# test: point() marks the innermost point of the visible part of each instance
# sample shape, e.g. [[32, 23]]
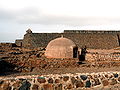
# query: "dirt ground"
[[18, 61]]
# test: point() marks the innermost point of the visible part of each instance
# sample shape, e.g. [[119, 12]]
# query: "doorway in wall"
[[75, 52]]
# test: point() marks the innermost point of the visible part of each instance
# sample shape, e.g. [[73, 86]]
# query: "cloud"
[[33, 15], [6, 15]]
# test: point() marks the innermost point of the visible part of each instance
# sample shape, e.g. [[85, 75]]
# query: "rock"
[[119, 79], [73, 80], [79, 84], [95, 76], [5, 86], [88, 84], [57, 81], [115, 75], [41, 79], [35, 87], [97, 82], [17, 84], [59, 87], [50, 80], [105, 82], [90, 76], [44, 65], [25, 85], [113, 82], [65, 78], [69, 86], [83, 77], [106, 75], [48, 87]]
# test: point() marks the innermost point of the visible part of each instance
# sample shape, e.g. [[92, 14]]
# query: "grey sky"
[[16, 16]]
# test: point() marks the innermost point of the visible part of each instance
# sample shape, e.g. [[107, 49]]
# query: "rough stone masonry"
[[90, 39], [78, 81]]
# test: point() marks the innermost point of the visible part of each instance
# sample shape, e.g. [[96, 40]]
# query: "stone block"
[[97, 82], [88, 84], [73, 80], [57, 80], [25, 85], [5, 86], [119, 79], [113, 82], [50, 80], [59, 87], [17, 84], [115, 75], [65, 78], [69, 86], [83, 77], [105, 82], [79, 84], [48, 87], [41, 79], [35, 87]]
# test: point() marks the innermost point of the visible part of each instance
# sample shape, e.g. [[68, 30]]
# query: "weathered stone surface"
[[119, 79], [41, 39], [106, 75], [105, 82], [25, 86], [79, 84], [115, 75], [50, 80], [65, 78], [113, 82], [83, 77], [88, 84], [35, 87], [97, 82], [59, 87], [17, 84], [5, 86], [41, 79], [73, 80], [95, 76], [69, 86], [57, 80], [90, 77], [48, 87]]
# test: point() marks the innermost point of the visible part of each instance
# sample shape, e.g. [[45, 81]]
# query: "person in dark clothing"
[[83, 53]]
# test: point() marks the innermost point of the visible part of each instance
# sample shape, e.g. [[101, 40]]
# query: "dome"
[[60, 48]]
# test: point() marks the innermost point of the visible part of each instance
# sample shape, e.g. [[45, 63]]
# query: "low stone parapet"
[[68, 81]]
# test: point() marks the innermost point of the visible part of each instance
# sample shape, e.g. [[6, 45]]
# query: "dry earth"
[[20, 61]]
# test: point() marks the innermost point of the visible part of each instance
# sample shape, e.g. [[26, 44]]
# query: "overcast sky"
[[16, 16]]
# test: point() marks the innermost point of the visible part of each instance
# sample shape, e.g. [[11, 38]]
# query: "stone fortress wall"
[[78, 81], [91, 39]]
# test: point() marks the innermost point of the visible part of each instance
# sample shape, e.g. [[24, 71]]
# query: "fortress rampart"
[[91, 39]]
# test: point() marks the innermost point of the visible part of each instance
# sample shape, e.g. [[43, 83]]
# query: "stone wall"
[[92, 31], [112, 59], [91, 40], [78, 81], [18, 42]]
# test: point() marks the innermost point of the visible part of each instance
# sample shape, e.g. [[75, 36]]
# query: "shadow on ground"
[[6, 68]]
